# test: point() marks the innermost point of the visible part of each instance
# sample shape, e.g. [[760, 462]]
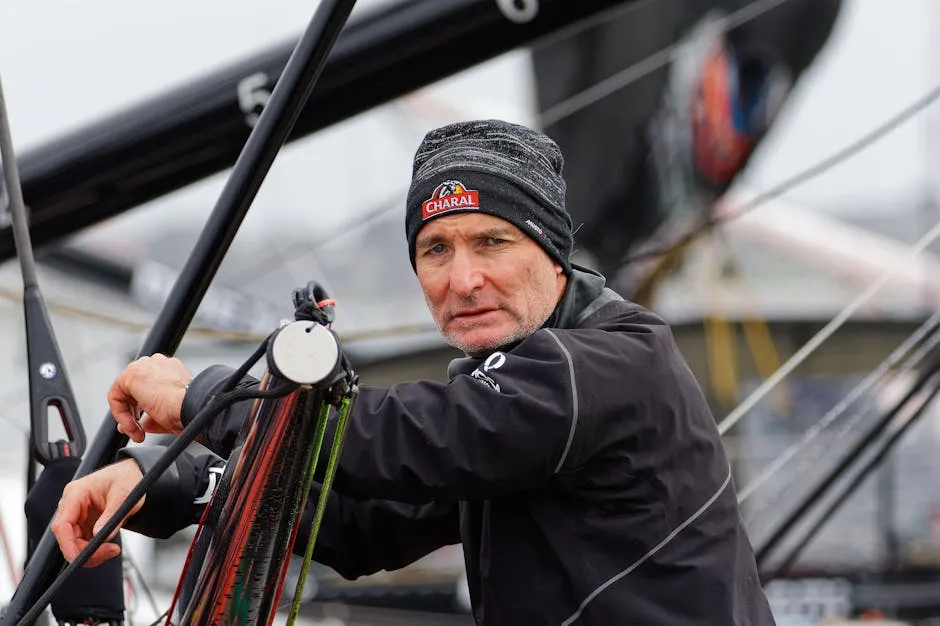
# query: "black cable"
[[852, 486], [846, 462], [802, 177], [902, 360], [221, 401]]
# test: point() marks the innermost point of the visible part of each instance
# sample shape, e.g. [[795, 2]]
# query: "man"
[[572, 452]]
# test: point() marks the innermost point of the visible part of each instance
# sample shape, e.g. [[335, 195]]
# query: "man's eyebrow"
[[428, 241], [499, 231]]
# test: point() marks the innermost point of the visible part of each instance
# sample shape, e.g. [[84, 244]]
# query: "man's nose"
[[466, 274]]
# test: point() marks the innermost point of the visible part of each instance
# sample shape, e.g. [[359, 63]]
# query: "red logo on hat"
[[450, 195]]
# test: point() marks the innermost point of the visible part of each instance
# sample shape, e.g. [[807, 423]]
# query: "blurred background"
[[127, 119]]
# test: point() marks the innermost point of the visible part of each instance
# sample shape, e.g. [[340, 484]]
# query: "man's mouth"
[[470, 313]]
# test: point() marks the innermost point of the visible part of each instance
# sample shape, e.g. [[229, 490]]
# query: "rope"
[[827, 331]]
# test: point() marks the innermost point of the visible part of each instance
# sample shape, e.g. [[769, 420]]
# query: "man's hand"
[[152, 385], [88, 503]]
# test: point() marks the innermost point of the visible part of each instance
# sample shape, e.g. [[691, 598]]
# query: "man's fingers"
[[123, 405], [127, 417], [154, 384], [132, 429], [71, 543], [66, 525], [137, 430], [88, 504], [104, 553], [150, 425], [106, 517], [69, 538]]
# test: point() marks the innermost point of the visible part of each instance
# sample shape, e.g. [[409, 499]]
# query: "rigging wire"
[[820, 167], [848, 461], [788, 184], [811, 463], [564, 109], [111, 321], [629, 75], [827, 331], [735, 19], [927, 328], [275, 260], [557, 113], [869, 465]]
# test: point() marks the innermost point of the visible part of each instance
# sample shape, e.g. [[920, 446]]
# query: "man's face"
[[486, 283]]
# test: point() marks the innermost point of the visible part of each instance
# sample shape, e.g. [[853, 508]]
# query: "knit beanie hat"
[[492, 167]]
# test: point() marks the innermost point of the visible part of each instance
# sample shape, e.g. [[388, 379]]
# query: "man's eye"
[[437, 249], [495, 241]]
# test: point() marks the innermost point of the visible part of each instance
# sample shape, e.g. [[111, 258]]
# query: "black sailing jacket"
[[580, 468]]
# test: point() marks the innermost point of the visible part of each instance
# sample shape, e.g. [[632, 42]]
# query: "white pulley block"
[[305, 353]]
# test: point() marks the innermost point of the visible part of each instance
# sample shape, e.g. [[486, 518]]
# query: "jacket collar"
[[585, 294]]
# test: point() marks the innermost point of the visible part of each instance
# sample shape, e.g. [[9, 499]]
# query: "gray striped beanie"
[[494, 167]]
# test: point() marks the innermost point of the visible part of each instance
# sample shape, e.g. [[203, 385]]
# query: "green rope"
[[332, 462], [240, 600]]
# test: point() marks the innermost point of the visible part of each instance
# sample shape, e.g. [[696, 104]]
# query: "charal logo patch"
[[450, 195]]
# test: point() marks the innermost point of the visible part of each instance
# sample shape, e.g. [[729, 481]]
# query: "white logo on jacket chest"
[[493, 362]]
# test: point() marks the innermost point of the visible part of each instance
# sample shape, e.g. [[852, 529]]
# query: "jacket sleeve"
[[361, 537], [180, 494], [222, 432], [546, 406], [356, 538], [506, 427]]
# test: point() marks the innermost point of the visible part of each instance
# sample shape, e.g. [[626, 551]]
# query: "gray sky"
[[879, 60]]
